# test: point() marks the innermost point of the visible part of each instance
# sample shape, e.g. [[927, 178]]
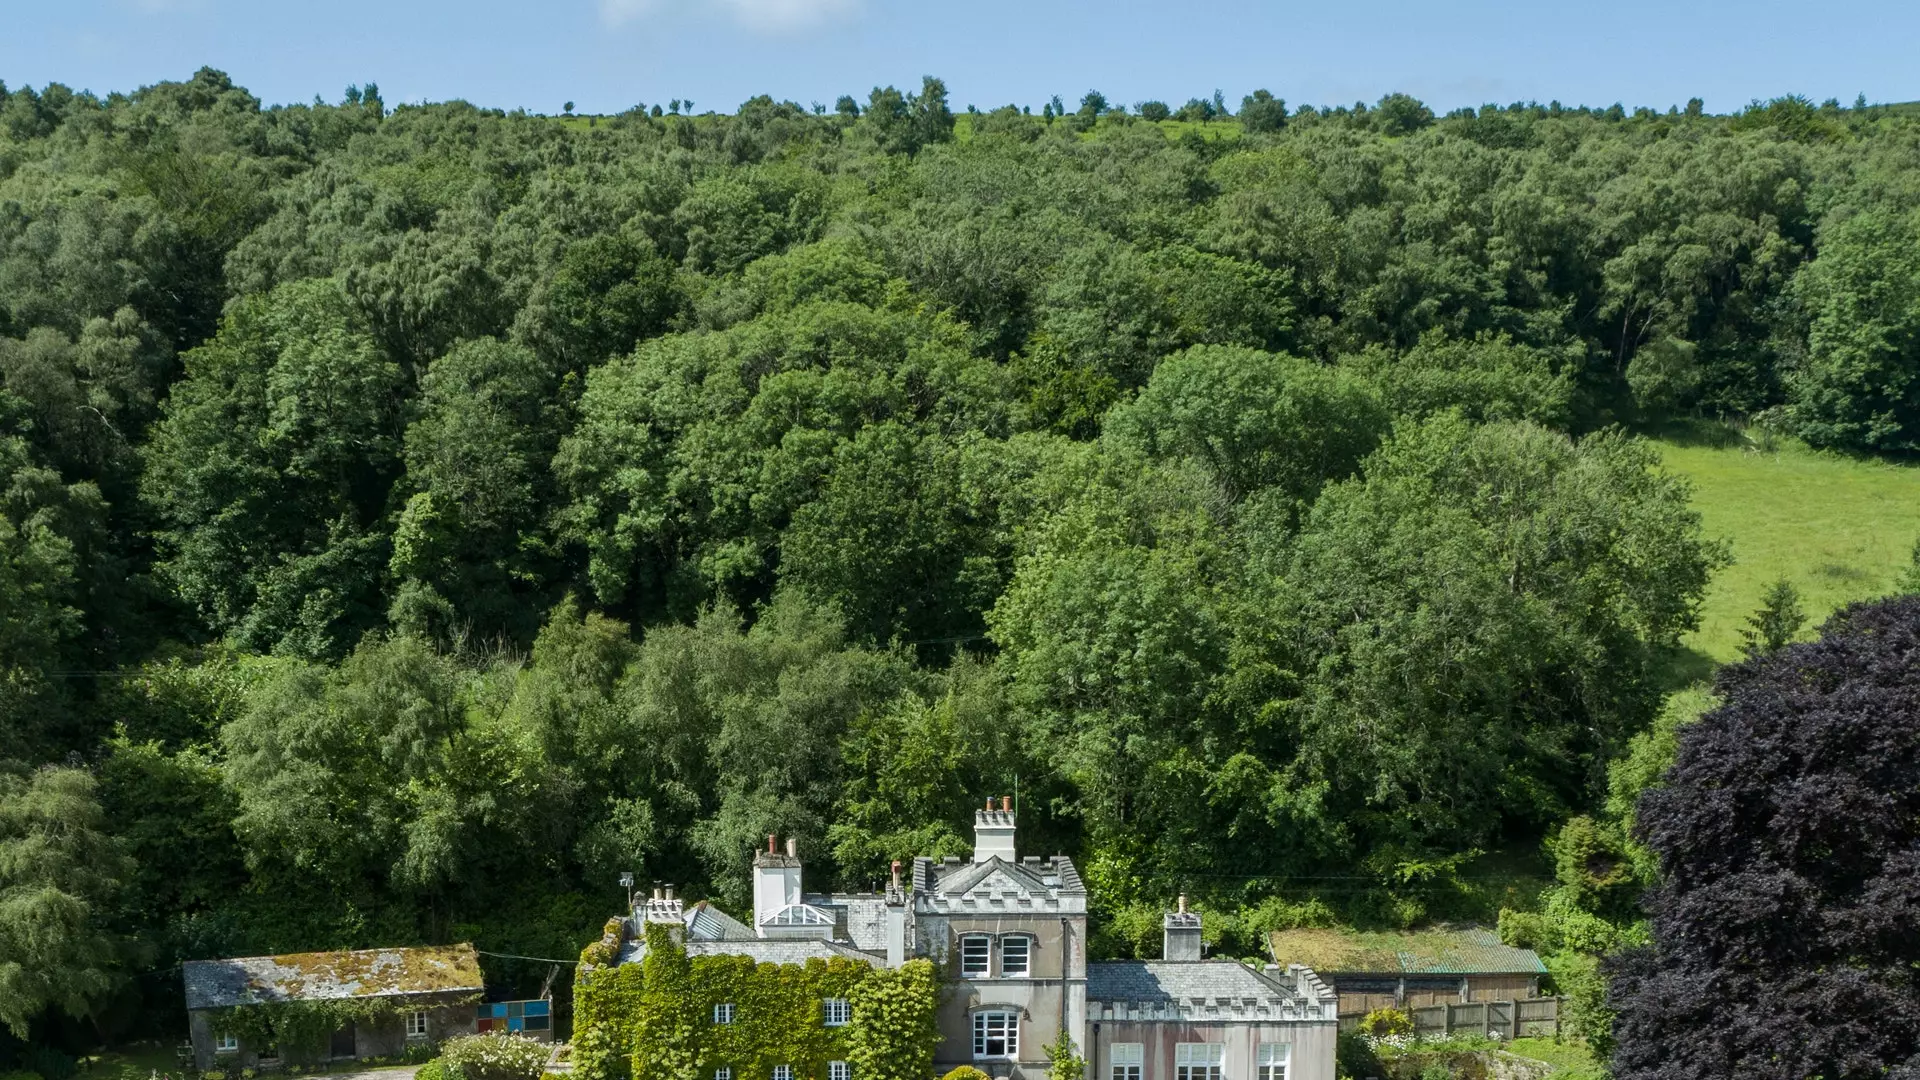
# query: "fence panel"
[[1500, 1018], [1507, 1019], [1469, 1017], [1537, 1016], [1430, 1020]]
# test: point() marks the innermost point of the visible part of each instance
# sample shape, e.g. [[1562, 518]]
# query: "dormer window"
[[1016, 952], [976, 951]]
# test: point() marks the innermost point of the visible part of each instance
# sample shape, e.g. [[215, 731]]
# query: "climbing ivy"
[[654, 1020], [301, 1029], [895, 1031]]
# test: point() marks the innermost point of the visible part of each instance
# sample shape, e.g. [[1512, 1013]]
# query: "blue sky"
[[605, 55]]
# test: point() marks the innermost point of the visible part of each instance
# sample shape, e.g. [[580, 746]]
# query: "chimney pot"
[[896, 873], [1006, 804], [656, 892], [793, 848], [989, 803], [770, 842], [669, 891], [1181, 940]]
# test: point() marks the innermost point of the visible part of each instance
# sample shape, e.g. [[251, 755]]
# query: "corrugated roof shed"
[[331, 976], [1473, 950]]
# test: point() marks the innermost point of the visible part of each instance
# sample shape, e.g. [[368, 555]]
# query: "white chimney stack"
[[993, 832], [776, 881]]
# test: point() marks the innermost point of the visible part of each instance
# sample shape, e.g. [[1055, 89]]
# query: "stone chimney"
[[665, 909], [896, 920], [776, 880], [993, 831], [1182, 934]]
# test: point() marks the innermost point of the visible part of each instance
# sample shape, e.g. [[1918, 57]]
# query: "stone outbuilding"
[[432, 991], [1413, 968]]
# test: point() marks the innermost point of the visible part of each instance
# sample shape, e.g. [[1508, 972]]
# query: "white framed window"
[[839, 1070], [417, 1024], [1273, 1061], [1129, 1059], [1198, 1061], [997, 1035], [1016, 955], [723, 1013], [975, 951], [838, 1012], [724, 1072], [783, 1072], [226, 1043]]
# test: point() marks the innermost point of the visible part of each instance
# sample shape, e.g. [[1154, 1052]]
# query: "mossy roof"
[[331, 976], [1472, 950]]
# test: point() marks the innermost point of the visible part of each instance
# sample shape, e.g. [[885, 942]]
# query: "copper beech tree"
[[1788, 836]]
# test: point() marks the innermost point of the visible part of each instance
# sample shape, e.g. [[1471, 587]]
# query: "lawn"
[[138, 1061], [1838, 528], [1570, 1060]]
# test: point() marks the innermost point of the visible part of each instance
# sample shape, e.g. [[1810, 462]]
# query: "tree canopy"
[[413, 518]]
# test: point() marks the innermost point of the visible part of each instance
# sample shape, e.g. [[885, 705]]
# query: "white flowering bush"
[[495, 1056], [1411, 1042]]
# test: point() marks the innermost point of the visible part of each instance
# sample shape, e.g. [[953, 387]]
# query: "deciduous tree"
[[1786, 840]]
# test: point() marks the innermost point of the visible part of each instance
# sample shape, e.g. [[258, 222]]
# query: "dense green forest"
[[412, 519]]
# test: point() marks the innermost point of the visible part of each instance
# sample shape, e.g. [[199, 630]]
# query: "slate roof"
[[777, 951], [708, 923], [331, 976], [952, 887], [1178, 981], [1473, 950], [859, 918], [762, 950]]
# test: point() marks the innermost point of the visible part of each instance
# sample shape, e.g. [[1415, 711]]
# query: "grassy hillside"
[[1838, 528]]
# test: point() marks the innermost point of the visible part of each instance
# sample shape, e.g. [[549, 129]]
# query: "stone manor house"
[[1011, 932]]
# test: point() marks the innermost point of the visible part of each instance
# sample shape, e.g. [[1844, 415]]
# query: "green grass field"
[[1838, 528]]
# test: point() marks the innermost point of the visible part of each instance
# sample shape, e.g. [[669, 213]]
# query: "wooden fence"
[[1507, 1019]]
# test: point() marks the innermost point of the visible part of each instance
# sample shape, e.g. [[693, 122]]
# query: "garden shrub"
[[437, 1069], [495, 1056], [1387, 1021], [965, 1072]]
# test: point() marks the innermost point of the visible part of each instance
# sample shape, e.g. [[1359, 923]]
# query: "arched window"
[[996, 1034]]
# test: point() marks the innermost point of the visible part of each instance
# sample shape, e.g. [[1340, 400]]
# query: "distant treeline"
[[412, 519]]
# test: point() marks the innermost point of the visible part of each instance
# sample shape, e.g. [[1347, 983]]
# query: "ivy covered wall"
[[654, 1020]]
